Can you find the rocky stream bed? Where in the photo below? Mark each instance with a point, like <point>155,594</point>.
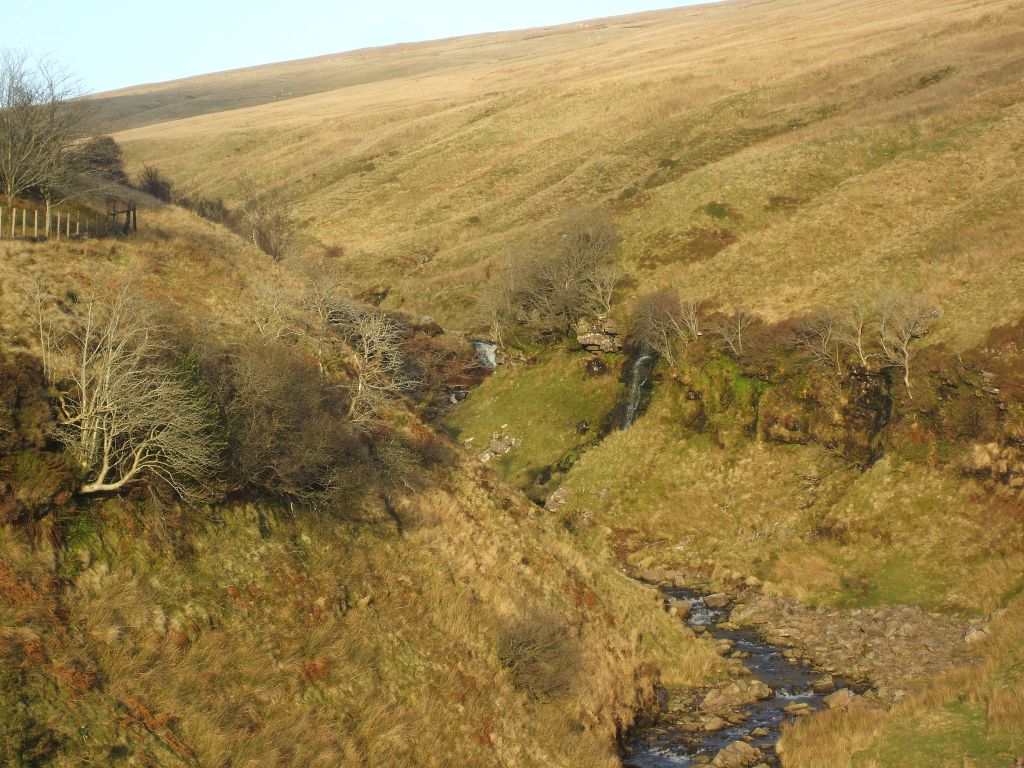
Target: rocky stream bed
<point>789,661</point>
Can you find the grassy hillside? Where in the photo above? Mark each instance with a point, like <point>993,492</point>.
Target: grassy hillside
<point>784,157</point>
<point>778,155</point>
<point>246,631</point>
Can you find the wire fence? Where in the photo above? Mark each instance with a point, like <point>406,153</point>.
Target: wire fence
<point>25,220</point>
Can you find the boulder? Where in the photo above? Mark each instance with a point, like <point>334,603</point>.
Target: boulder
<point>557,500</point>
<point>717,601</point>
<point>713,723</point>
<point>739,754</point>
<point>841,699</point>
<point>824,684</point>
<point>798,708</point>
<point>748,615</point>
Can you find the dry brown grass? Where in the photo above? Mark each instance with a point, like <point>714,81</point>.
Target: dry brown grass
<point>254,635</point>
<point>893,127</point>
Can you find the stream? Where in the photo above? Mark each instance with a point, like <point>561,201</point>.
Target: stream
<point>637,376</point>
<point>668,745</point>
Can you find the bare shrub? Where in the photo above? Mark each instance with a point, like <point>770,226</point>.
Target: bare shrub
<point>287,434</point>
<point>540,655</point>
<point>106,159</point>
<point>125,413</point>
<point>267,222</point>
<point>152,181</point>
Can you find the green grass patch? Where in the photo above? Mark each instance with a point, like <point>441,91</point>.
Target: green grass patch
<point>543,405</point>
<point>955,735</point>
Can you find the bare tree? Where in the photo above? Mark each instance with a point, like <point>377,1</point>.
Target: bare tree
<point>21,124</point>
<point>658,321</point>
<point>44,143</point>
<point>730,329</point>
<point>853,330</point>
<point>379,370</point>
<point>270,313</point>
<point>820,340</point>
<point>325,300</point>
<point>690,317</point>
<point>899,325</point>
<point>124,413</point>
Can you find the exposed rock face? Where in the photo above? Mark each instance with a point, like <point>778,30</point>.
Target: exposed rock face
<point>598,335</point>
<point>1002,463</point>
<point>849,418</point>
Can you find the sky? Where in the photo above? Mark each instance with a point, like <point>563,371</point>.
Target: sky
<point>115,45</point>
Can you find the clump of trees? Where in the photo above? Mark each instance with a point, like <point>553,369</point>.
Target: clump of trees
<point>548,285</point>
<point>871,336</point>
<point>662,321</point>
<point>868,335</point>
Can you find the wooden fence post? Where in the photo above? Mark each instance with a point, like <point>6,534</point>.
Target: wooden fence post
<point>58,225</point>
<point>1,222</point>
<point>35,225</point>
<point>78,228</point>
<point>24,231</point>
<point>14,219</point>
<point>67,226</point>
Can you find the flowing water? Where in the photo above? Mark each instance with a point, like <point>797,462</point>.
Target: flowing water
<point>667,745</point>
<point>639,387</point>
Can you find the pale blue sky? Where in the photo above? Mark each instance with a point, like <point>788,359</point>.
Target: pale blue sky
<point>111,45</point>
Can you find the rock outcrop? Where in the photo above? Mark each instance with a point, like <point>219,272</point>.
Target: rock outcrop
<point>599,335</point>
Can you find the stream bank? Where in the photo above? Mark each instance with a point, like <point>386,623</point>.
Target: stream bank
<point>737,723</point>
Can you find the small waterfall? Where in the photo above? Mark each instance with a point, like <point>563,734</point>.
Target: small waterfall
<point>486,353</point>
<point>639,386</point>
